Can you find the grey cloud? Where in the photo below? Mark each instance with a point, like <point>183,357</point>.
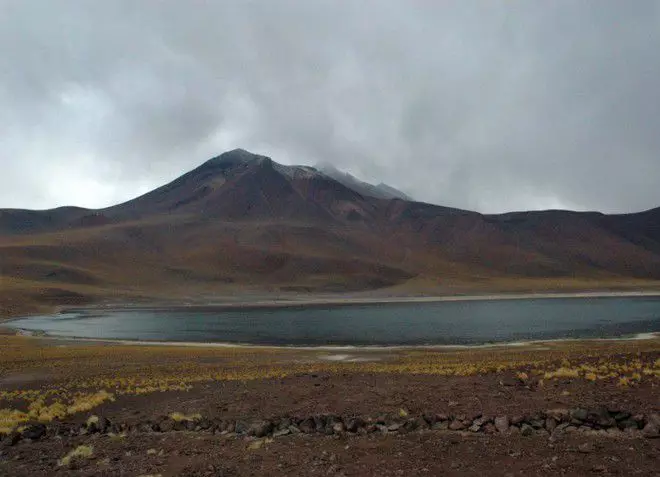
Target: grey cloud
<point>492,106</point>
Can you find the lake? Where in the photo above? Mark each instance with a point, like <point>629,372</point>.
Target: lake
<point>437,323</point>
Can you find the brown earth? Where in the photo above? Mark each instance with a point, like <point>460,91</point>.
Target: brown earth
<point>252,384</point>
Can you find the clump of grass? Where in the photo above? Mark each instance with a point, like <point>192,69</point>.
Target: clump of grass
<point>10,419</point>
<point>562,372</point>
<point>522,376</point>
<point>181,417</point>
<point>623,382</point>
<point>80,452</point>
<point>86,402</point>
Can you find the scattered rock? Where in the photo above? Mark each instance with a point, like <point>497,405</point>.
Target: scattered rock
<point>628,424</point>
<point>338,428</point>
<point>502,424</point>
<point>559,414</point>
<point>166,425</point>
<point>622,416</point>
<point>654,419</point>
<point>526,430</point>
<point>440,426</point>
<point>586,448</point>
<point>307,426</point>
<point>281,432</point>
<point>320,423</point>
<point>11,440</point>
<point>651,431</point>
<point>430,419</point>
<point>34,432</point>
<point>352,425</point>
<point>489,428</point>
<point>537,423</point>
<point>579,414</point>
<point>240,427</point>
<point>411,424</point>
<point>456,425</point>
<point>517,420</point>
<point>600,417</point>
<point>260,429</point>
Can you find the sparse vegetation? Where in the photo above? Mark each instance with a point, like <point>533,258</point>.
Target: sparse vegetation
<point>80,452</point>
<point>83,377</point>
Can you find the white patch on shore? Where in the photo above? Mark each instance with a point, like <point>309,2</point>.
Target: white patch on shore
<point>346,358</point>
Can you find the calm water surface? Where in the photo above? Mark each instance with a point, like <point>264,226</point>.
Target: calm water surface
<point>464,322</point>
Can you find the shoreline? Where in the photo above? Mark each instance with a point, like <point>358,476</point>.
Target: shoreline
<point>333,348</point>
<point>248,304</point>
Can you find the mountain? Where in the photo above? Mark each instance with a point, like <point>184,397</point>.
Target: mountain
<point>380,191</point>
<point>242,223</point>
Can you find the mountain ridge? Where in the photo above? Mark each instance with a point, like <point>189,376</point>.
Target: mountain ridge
<point>242,221</point>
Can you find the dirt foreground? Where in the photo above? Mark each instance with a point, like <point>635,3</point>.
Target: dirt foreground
<point>557,408</point>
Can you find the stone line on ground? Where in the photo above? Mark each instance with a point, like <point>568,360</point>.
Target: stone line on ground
<point>552,423</point>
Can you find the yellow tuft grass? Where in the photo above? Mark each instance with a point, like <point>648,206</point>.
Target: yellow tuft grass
<point>181,417</point>
<point>80,452</point>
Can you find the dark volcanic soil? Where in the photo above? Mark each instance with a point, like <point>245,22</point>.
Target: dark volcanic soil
<point>375,394</point>
<point>426,453</point>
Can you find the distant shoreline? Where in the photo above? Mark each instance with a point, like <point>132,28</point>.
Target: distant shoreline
<point>247,303</point>
<point>332,348</point>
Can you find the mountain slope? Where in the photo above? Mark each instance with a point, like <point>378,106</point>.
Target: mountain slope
<point>244,222</point>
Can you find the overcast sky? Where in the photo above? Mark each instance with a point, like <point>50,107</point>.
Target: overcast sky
<point>486,105</point>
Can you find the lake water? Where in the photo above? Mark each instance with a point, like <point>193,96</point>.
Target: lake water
<point>440,323</point>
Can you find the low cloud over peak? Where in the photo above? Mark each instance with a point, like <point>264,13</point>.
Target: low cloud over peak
<point>496,106</point>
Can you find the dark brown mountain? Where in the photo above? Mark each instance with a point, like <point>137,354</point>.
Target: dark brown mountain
<point>243,223</point>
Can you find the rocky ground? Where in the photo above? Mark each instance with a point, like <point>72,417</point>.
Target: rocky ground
<point>552,410</point>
